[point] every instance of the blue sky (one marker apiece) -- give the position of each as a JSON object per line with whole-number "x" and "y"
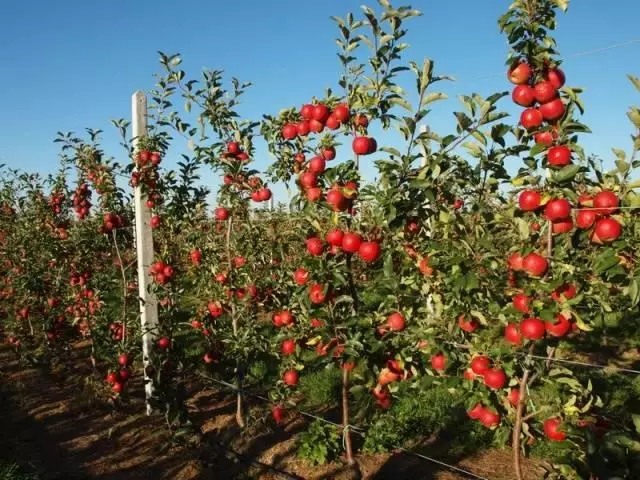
{"x": 73, "y": 64}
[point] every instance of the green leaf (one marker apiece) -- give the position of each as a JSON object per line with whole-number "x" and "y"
{"x": 566, "y": 173}
{"x": 634, "y": 292}
{"x": 636, "y": 422}
{"x": 635, "y": 81}
{"x": 562, "y": 4}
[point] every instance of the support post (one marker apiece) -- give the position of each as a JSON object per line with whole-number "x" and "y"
{"x": 144, "y": 252}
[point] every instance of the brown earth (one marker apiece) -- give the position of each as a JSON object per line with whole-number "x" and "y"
{"x": 51, "y": 422}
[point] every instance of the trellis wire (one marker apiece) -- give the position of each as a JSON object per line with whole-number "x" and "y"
{"x": 358, "y": 430}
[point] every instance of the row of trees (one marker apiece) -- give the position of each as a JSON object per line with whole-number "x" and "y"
{"x": 449, "y": 284}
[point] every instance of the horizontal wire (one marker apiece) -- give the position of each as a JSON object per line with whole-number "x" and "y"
{"x": 559, "y": 360}
{"x": 574, "y": 55}
{"x": 358, "y": 430}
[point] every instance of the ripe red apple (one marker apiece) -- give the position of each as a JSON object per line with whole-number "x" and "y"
{"x": 351, "y": 242}
{"x": 215, "y": 309}
{"x": 117, "y": 387}
{"x": 480, "y": 364}
{"x": 535, "y": 264}
{"x": 342, "y": 113}
{"x": 529, "y": 200}
{"x": 552, "y": 110}
{"x": 465, "y": 325}
{"x": 512, "y": 334}
{"x": 111, "y": 377}
{"x": 523, "y": 95}
{"x": 209, "y": 358}
{"x": 315, "y": 246}
{"x": 361, "y": 145}
{"x": 545, "y": 91}
{"x": 545, "y": 138}
{"x": 334, "y": 237}
{"x": 290, "y": 378}
{"x": 264, "y": 194}
{"x": 317, "y": 293}
{"x": 585, "y": 219}
{"x": 560, "y": 328}
{"x": 564, "y": 292}
{"x": 439, "y": 362}
{"x": 562, "y": 226}
{"x": 519, "y": 73}
{"x": 532, "y": 328}
{"x": 469, "y": 375}
{"x": 307, "y": 111}
{"x": 317, "y": 165}
{"x": 387, "y": 376}
{"x": 276, "y": 413}
{"x": 332, "y": 122}
{"x": 531, "y": 118}
{"x": 286, "y": 318}
{"x": 559, "y": 156}
{"x": 361, "y": 120}
{"x": 289, "y": 131}
{"x": 196, "y": 256}
{"x": 155, "y": 221}
{"x": 605, "y": 202}
{"x": 316, "y": 126}
{"x": 320, "y": 113}
{"x": 308, "y": 180}
{"x": 606, "y": 230}
{"x": 124, "y": 360}
{"x": 514, "y": 396}
{"x": 585, "y": 200}
{"x": 515, "y": 262}
{"x": 457, "y": 204}
{"x": 396, "y": 322}
{"x": 476, "y": 412}
{"x": 556, "y": 77}
{"x": 164, "y": 343}
{"x": 495, "y": 378}
{"x": 328, "y": 153}
{"x": 303, "y": 128}
{"x": 288, "y": 347}
{"x": 301, "y": 276}
{"x": 314, "y": 194}
{"x": 233, "y": 148}
{"x": 557, "y": 209}
{"x": 551, "y": 427}
{"x": 489, "y": 418}
{"x": 221, "y": 214}
{"x": 369, "y": 251}
{"x": 521, "y": 302}
{"x": 337, "y": 200}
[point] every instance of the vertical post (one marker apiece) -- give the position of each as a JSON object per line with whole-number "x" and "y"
{"x": 144, "y": 251}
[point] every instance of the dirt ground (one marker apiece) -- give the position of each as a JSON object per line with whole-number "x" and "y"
{"x": 51, "y": 423}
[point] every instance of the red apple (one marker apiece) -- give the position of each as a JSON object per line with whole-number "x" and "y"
{"x": 529, "y": 200}
{"x": 532, "y": 328}
{"x": 519, "y": 73}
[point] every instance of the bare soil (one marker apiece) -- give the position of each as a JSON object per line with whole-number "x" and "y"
{"x": 51, "y": 421}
